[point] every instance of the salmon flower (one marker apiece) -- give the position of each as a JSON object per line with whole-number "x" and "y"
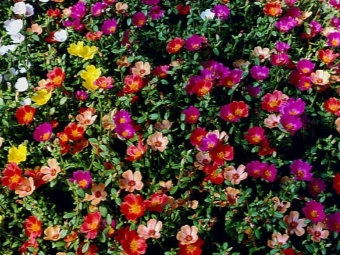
{"x": 317, "y": 232}
{"x": 233, "y": 175}
{"x": 151, "y": 230}
{"x": 133, "y": 83}
{"x": 136, "y": 152}
{"x": 56, "y": 77}
{"x": 91, "y": 225}
{"x": 187, "y": 235}
{"x": 51, "y": 171}
{"x": 132, "y": 207}
{"x": 26, "y": 188}
{"x": 52, "y": 233}
{"x": 86, "y": 118}
{"x": 98, "y": 194}
{"x": 157, "y": 141}
{"x": 277, "y": 240}
{"x": 294, "y": 224}
{"x": 131, "y": 181}
{"x": 280, "y": 206}
{"x": 141, "y": 68}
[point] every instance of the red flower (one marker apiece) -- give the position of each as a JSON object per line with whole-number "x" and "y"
{"x": 202, "y": 87}
{"x": 53, "y": 13}
{"x": 63, "y": 138}
{"x": 132, "y": 207}
{"x": 239, "y": 109}
{"x": 73, "y": 131}
{"x": 56, "y": 77}
{"x": 25, "y": 114}
{"x": 290, "y": 251}
{"x": 183, "y": 9}
{"x": 133, "y": 244}
{"x": 336, "y": 183}
{"x": 272, "y": 9}
{"x": 50, "y": 38}
{"x": 327, "y": 56}
{"x": 156, "y": 202}
{"x": 214, "y": 174}
{"x": 36, "y": 175}
{"x": 265, "y": 148}
{"x": 175, "y": 45}
{"x": 197, "y": 136}
{"x": 221, "y": 153}
{"x": 12, "y": 176}
{"x": 91, "y": 225}
{"x": 30, "y": 243}
{"x": 136, "y": 152}
{"x": 133, "y": 83}
{"x": 332, "y": 105}
{"x": 32, "y": 227}
{"x": 254, "y": 135}
{"x": 191, "y": 249}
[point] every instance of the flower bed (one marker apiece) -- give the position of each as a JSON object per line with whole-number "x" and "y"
{"x": 169, "y": 127}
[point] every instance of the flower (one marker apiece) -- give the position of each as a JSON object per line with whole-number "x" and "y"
{"x": 333, "y": 39}
{"x": 151, "y": 230}
{"x": 90, "y": 76}
{"x": 268, "y": 172}
{"x": 141, "y": 68}
{"x": 272, "y": 121}
{"x": 56, "y": 77}
{"x": 157, "y": 141}
{"x": 259, "y": 72}
{"x": 82, "y": 178}
{"x": 156, "y": 12}
{"x": 233, "y": 175}
{"x": 317, "y": 232}
{"x": 17, "y": 155}
{"x": 86, "y": 117}
{"x": 43, "y": 132}
{"x": 272, "y": 9}
{"x": 21, "y": 85}
{"x": 221, "y": 11}
{"x": 207, "y": 14}
{"x": 133, "y": 83}
{"x": 280, "y": 206}
{"x": 333, "y": 222}
{"x": 301, "y": 170}
{"x": 320, "y": 77}
{"x": 135, "y": 153}
{"x": 336, "y": 183}
{"x": 187, "y": 235}
{"x": 132, "y": 207}
{"x": 12, "y": 176}
{"x": 294, "y": 224}
{"x": 175, "y": 45}
{"x": 109, "y": 26}
{"x": 132, "y": 244}
{"x": 290, "y": 123}
{"x": 25, "y": 114}
{"x": 314, "y": 211}
{"x": 81, "y": 95}
{"x": 41, "y": 97}
{"x": 131, "y": 181}
{"x": 139, "y": 19}
{"x": 52, "y": 233}
{"x": 261, "y": 54}
{"x": 74, "y": 132}
{"x": 98, "y": 194}
{"x": 286, "y": 23}
{"x": 316, "y": 186}
{"x": 26, "y": 188}
{"x": 51, "y": 171}
{"x": 91, "y": 224}
{"x": 125, "y": 131}
{"x": 305, "y": 66}
{"x": 277, "y": 240}
{"x": 104, "y": 82}
{"x": 13, "y": 26}
{"x": 193, "y": 42}
{"x": 32, "y": 226}
{"x": 156, "y": 203}
{"x": 255, "y": 135}
{"x": 255, "y": 168}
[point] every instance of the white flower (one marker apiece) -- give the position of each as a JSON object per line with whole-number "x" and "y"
{"x": 19, "y": 8}
{"x": 17, "y": 38}
{"x": 3, "y": 50}
{"x": 22, "y": 67}
{"x": 60, "y": 35}
{"x": 29, "y": 10}
{"x": 207, "y": 14}
{"x": 21, "y": 85}
{"x": 44, "y": 1}
{"x": 13, "y": 26}
{"x": 27, "y": 101}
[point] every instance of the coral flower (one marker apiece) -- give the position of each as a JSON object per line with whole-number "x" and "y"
{"x": 233, "y": 175}
{"x": 74, "y": 132}
{"x": 332, "y": 105}
{"x": 272, "y": 9}
{"x": 294, "y": 224}
{"x": 86, "y": 118}
{"x": 91, "y": 225}
{"x": 141, "y": 68}
{"x": 26, "y": 188}
{"x": 104, "y": 82}
{"x": 25, "y": 114}
{"x": 277, "y": 240}
{"x": 151, "y": 230}
{"x": 98, "y": 194}
{"x": 32, "y": 226}
{"x": 132, "y": 207}
{"x": 52, "y": 233}
{"x": 157, "y": 141}
{"x": 43, "y": 132}
{"x": 12, "y": 176}
{"x": 221, "y": 153}
{"x": 314, "y": 211}
{"x": 317, "y": 232}
{"x": 17, "y": 155}
{"x": 136, "y": 152}
{"x": 187, "y": 235}
{"x": 51, "y": 171}
{"x": 232, "y": 195}
{"x": 175, "y": 45}
{"x": 41, "y": 97}
{"x": 82, "y": 178}
{"x": 131, "y": 181}
{"x": 56, "y": 77}
{"x": 272, "y": 102}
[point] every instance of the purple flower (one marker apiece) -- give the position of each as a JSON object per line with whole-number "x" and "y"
{"x": 209, "y": 142}
{"x": 156, "y": 12}
{"x": 139, "y": 19}
{"x": 315, "y": 27}
{"x": 282, "y": 46}
{"x": 221, "y": 11}
{"x": 150, "y": 2}
{"x": 333, "y": 222}
{"x": 81, "y": 95}
{"x": 191, "y": 114}
{"x": 121, "y": 117}
{"x": 290, "y": 123}
{"x": 316, "y": 186}
{"x": 97, "y": 9}
{"x": 268, "y": 172}
{"x": 259, "y": 72}
{"x": 335, "y": 22}
{"x": 78, "y": 10}
{"x": 109, "y": 26}
{"x": 301, "y": 170}
{"x": 279, "y": 59}
{"x": 314, "y": 211}
{"x": 284, "y": 24}
{"x": 305, "y": 66}
{"x": 193, "y": 43}
{"x": 76, "y": 24}
{"x": 253, "y": 91}
{"x": 333, "y": 39}
{"x": 293, "y": 108}
{"x": 255, "y": 168}
{"x": 82, "y": 178}
{"x": 125, "y": 131}
{"x": 43, "y": 132}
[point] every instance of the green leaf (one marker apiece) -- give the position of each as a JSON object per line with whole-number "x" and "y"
{"x": 216, "y": 51}
{"x": 103, "y": 210}
{"x": 69, "y": 215}
{"x": 63, "y": 100}
{"x": 85, "y": 247}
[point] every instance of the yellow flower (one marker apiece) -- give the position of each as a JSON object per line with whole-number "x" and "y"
{"x": 74, "y": 49}
{"x": 90, "y": 75}
{"x": 42, "y": 96}
{"x": 1, "y": 218}
{"x": 17, "y": 155}
{"x": 87, "y": 52}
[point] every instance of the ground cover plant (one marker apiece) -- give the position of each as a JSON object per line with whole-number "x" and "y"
{"x": 169, "y": 127}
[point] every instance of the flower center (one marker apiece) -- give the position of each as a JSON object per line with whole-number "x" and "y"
{"x": 98, "y": 194}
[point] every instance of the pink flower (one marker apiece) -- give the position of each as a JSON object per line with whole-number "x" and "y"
{"x": 277, "y": 240}
{"x": 26, "y": 187}
{"x": 272, "y": 121}
{"x": 317, "y": 233}
{"x": 43, "y": 132}
{"x": 233, "y": 175}
{"x": 295, "y": 225}
{"x": 51, "y": 171}
{"x": 157, "y": 141}
{"x": 151, "y": 230}
{"x": 187, "y": 235}
{"x": 191, "y": 114}
{"x": 136, "y": 152}
{"x": 86, "y": 118}
{"x": 131, "y": 181}
{"x": 139, "y": 19}
{"x": 314, "y": 211}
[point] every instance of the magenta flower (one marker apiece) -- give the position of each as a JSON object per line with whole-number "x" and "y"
{"x": 333, "y": 39}
{"x": 259, "y": 72}
{"x": 156, "y": 12}
{"x": 290, "y": 123}
{"x": 193, "y": 43}
{"x": 191, "y": 114}
{"x": 333, "y": 222}
{"x": 305, "y": 83}
{"x": 254, "y": 135}
{"x": 122, "y": 117}
{"x": 314, "y": 211}
{"x": 78, "y": 10}
{"x": 109, "y": 26}
{"x": 227, "y": 115}
{"x": 279, "y": 59}
{"x": 208, "y": 142}
{"x": 284, "y": 24}
{"x": 150, "y": 2}
{"x": 125, "y": 131}
{"x": 255, "y": 168}
{"x": 335, "y": 22}
{"x": 293, "y": 12}
{"x": 76, "y": 24}
{"x": 282, "y": 46}
{"x": 316, "y": 186}
{"x": 335, "y": 4}
{"x": 290, "y": 2}
{"x": 139, "y": 19}
{"x": 82, "y": 178}
{"x": 207, "y": 74}
{"x": 293, "y": 107}
{"x": 43, "y": 132}
{"x": 97, "y": 9}
{"x": 305, "y": 66}
{"x": 232, "y": 78}
{"x": 253, "y": 91}
{"x": 221, "y": 11}
{"x": 81, "y": 95}
{"x": 268, "y": 172}
{"x": 301, "y": 170}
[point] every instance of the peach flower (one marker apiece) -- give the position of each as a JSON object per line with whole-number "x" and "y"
{"x": 187, "y": 235}
{"x": 151, "y": 230}
{"x": 52, "y": 233}
{"x": 272, "y": 121}
{"x": 280, "y": 206}
{"x": 141, "y": 68}
{"x": 26, "y": 188}
{"x": 165, "y": 124}
{"x": 262, "y": 54}
{"x": 35, "y": 28}
{"x": 232, "y": 195}
{"x": 317, "y": 233}
{"x": 320, "y": 77}
{"x": 1, "y": 141}
{"x": 277, "y": 240}
{"x": 123, "y": 61}
{"x": 86, "y": 118}
{"x": 131, "y": 181}
{"x": 235, "y": 176}
{"x": 157, "y": 141}
{"x": 121, "y": 8}
{"x": 98, "y": 194}
{"x": 239, "y": 63}
{"x": 295, "y": 225}
{"x": 166, "y": 186}
{"x": 51, "y": 171}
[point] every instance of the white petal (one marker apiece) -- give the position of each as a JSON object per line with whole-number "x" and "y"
{"x": 21, "y": 85}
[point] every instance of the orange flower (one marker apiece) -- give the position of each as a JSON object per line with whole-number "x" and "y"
{"x": 141, "y": 68}
{"x": 51, "y": 171}
{"x": 98, "y": 194}
{"x": 123, "y": 61}
{"x": 26, "y": 188}
{"x": 272, "y": 9}
{"x": 131, "y": 181}
{"x": 187, "y": 235}
{"x": 157, "y": 141}
{"x": 52, "y": 233}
